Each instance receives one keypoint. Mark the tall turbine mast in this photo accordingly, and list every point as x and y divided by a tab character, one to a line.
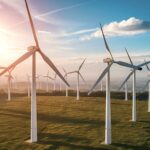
32	52
133	72
110	62
79	75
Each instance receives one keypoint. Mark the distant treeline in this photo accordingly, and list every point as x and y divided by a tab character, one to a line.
114	94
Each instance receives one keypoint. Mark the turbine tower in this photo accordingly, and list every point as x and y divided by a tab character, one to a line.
9	78
65	76
47	79
32	52
109	61
148	84
133	72
28	85
78	77
55	76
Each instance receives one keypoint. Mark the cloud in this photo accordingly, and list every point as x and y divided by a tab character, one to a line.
68	34
129	27
58	10
41	17
78	32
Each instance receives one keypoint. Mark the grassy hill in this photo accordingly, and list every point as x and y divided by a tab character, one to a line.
68	124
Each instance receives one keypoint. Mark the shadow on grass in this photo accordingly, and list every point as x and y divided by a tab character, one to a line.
54	118
133	147
57	141
123	104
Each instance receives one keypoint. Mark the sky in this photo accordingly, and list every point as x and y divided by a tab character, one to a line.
68	31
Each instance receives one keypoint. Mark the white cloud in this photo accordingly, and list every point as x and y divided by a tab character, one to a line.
129	27
58	10
67	34
20	7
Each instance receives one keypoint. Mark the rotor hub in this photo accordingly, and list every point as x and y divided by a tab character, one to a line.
31	48
107	60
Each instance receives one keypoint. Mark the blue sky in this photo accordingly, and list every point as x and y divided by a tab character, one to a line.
68	30
61	17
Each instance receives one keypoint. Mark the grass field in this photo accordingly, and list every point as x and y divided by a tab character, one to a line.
67	124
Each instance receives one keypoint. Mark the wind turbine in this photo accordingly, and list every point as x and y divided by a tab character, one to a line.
32	52
47	82
126	91
55	76
148	84
47	79
65	76
9	78
28	85
60	88
109	62
133	72
78	76
39	83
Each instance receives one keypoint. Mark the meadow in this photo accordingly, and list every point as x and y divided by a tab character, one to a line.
67	124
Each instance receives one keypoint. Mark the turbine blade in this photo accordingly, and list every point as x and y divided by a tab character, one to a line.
129	56
50	63
32	25
146	85
50	77
143	64
100	78
128	65
81	64
81	77
72	72
106	45
130	74
64	70
18	61
147	65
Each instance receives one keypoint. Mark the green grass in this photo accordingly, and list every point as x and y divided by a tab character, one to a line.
68	124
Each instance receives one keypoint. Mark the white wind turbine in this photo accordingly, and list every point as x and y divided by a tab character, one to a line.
78	77
110	62
9	80
54	84
65	76
28	85
133	72
60	88
148	84
32	52
126	91
47	80
38	81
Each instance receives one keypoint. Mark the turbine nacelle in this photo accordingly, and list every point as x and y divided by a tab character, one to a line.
107	60
32	48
